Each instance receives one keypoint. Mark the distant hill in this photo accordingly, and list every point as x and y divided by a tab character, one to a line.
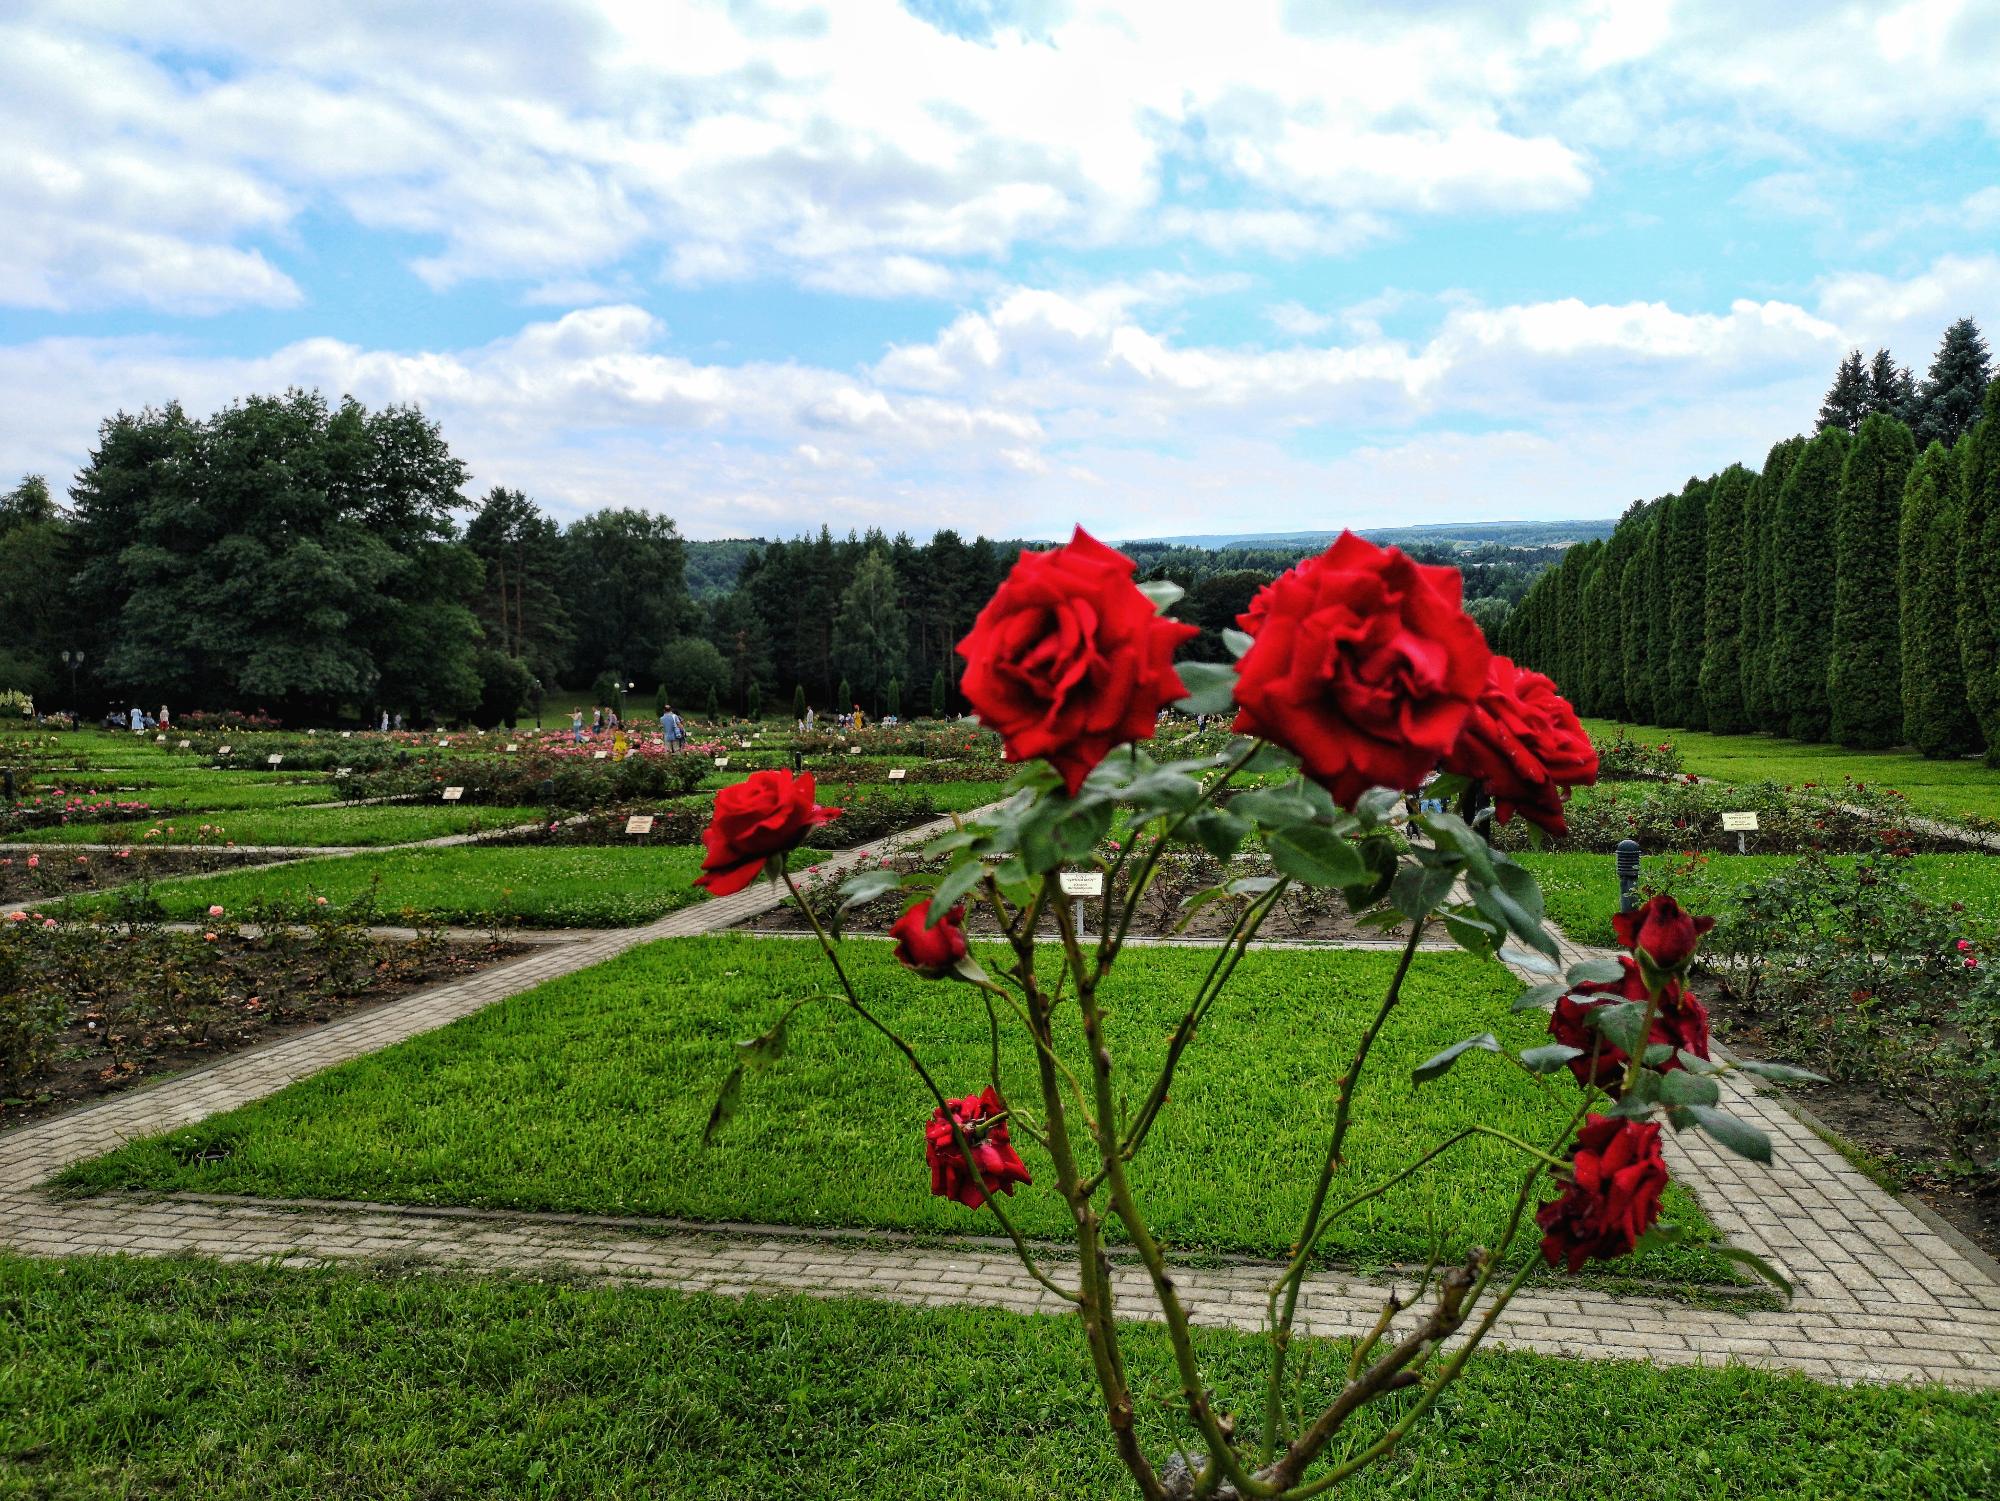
1449	534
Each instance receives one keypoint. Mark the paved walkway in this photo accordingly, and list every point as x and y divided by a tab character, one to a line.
1882	1294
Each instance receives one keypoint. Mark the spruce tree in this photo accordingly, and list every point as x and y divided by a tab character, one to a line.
940	702
1935	717
799	702
895	698
1760	598
1803	572
1949	400
1864	670
1687	602
1892	390
1722	605
1846	400
1979	575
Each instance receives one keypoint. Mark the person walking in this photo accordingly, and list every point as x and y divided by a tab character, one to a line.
672	731
137	718
576	725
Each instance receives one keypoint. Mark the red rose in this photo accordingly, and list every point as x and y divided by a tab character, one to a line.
1069	660
930	951
1000	1166
1662	932
765	814
1524	744
1364	666
1612	1194
1681	1022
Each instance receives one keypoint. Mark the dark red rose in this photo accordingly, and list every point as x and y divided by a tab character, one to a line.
999	1164
1364	666
765	814
1524	744
1069	660
1681	1023
1611	1195
930	951
1662	932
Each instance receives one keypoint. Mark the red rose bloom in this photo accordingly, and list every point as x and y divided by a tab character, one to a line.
1681	1023
1069	660
1364	666
766	814
1662	931
1612	1196
999	1164
930	951
1524	744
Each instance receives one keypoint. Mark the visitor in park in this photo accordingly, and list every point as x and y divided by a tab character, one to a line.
672	730
596	721
859	720
165	722
385	721
399	724
138	720
810	717
576	725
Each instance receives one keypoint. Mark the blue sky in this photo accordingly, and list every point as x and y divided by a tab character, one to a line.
1003	265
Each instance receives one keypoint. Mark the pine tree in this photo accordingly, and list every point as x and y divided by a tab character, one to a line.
1979	575
1949	400
1687	594
1760	535
1935	717
1892	390
799	703
895	698
712	710
843	698
940	699
1847	398
1722	605
754	701
1803	572
1864	670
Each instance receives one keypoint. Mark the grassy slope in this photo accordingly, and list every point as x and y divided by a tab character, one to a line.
590	1093
123	1378
378	824
1944	788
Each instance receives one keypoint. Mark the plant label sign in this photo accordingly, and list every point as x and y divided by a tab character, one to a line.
222	750
341	771
512	747
186	744
159	740
1083	883
273	759
599	755
898	773
639	823
444	742
347	734
854	750
453	794
722	760
1739	823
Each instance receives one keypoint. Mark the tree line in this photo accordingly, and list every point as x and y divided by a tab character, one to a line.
1847	591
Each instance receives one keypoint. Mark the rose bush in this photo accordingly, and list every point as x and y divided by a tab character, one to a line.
1358	677
761	818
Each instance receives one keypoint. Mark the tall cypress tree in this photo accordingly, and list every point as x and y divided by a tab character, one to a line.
1803	570
1979	575
1864	667
1635	626
1722	605
1760	533
1846	400
1949	399
1659	616
1935	717
1687	601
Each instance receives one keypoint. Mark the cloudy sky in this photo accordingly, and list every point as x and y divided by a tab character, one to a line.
1160	267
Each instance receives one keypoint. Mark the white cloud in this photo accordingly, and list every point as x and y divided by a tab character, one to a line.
1296	320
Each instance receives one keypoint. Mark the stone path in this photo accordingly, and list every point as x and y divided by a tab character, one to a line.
1882	1293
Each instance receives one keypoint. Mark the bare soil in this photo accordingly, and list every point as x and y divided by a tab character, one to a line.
58	872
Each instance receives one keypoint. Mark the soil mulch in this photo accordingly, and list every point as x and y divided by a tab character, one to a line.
266	995
58	872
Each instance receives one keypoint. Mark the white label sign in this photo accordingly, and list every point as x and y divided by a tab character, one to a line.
453	794
514	746
722	760
600	755
639	823
341	771
186	744
444	742
1740	823
222	750
160	740
1083	882
347	734
854	750
897	774
273	759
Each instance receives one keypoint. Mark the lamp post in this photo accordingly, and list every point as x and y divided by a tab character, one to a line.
72	660
535	690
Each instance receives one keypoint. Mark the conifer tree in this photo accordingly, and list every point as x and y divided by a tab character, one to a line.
799	702
1803	573
1635	616
940	701
1892	391
1846	400
1687	602
1602	609
1722	605
1949	400
1935	717
1979	575
1760	529
1864	666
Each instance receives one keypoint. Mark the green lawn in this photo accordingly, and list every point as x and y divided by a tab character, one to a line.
305	828
130	1377
1582	890
563	886
1946	789
590	1093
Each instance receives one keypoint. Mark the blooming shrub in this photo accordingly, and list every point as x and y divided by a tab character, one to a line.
1358	676
1623	759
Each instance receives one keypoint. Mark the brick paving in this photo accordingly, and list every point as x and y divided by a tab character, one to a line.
1882	1293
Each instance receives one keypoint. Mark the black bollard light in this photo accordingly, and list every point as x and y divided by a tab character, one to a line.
798	760
1628	874
7	783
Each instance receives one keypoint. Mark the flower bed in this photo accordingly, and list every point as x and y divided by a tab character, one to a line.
50	874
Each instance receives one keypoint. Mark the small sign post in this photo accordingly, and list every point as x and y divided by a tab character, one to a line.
184	745
1740	824
513	746
898	773
599	755
721	761
273	759
222	750
453	794
639	823
1082	883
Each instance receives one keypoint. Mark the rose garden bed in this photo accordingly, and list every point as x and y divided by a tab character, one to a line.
29	877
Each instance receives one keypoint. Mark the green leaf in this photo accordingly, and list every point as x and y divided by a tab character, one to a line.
1192	905
1315	856
1432	1068
725	1104
1297	801
1211	687
1080	827
1683	1088
1659	1238
1600	971
1742	1138
1251	885
967	968
959	880
1164	593
1622	1022
1218	831
1376	804
1237	641
1417	891
1470	933
1783	1072
1549	1057
1452	833
1264	757
867	886
1758	1265
1163	788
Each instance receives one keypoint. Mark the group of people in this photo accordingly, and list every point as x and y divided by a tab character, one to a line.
137	720
853	719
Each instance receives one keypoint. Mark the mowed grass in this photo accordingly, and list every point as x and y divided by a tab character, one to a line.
590	1093
1944	789
132	1377
561	886
301	828
1581	890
